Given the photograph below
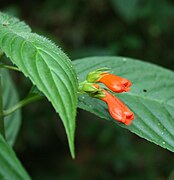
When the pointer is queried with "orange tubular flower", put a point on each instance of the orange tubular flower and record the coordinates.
(115, 83)
(118, 110)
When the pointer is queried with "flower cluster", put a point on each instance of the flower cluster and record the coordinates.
(117, 109)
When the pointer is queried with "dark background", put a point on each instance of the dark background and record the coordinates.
(140, 29)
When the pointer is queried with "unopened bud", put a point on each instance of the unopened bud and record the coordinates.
(94, 76)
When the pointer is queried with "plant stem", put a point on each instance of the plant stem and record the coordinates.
(22, 103)
(9, 67)
(1, 110)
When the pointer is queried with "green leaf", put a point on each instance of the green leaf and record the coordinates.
(13, 23)
(10, 167)
(151, 97)
(10, 98)
(48, 68)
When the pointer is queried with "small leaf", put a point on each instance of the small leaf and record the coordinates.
(151, 97)
(10, 166)
(47, 67)
(10, 98)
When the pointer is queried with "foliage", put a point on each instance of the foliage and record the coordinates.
(10, 165)
(152, 106)
(47, 67)
(10, 97)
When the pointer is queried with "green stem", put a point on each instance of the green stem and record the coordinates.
(22, 103)
(2, 131)
(9, 67)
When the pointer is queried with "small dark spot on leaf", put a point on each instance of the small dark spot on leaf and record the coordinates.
(144, 90)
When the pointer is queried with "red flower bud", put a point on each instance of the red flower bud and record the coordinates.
(118, 110)
(115, 83)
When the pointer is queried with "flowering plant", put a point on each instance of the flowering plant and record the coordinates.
(55, 77)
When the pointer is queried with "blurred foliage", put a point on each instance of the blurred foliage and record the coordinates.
(135, 28)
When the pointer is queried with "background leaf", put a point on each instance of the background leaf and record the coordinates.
(10, 98)
(10, 167)
(128, 9)
(48, 68)
(151, 97)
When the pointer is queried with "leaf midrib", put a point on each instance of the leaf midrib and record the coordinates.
(25, 40)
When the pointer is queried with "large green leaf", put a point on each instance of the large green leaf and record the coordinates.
(151, 97)
(10, 167)
(48, 68)
(10, 98)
